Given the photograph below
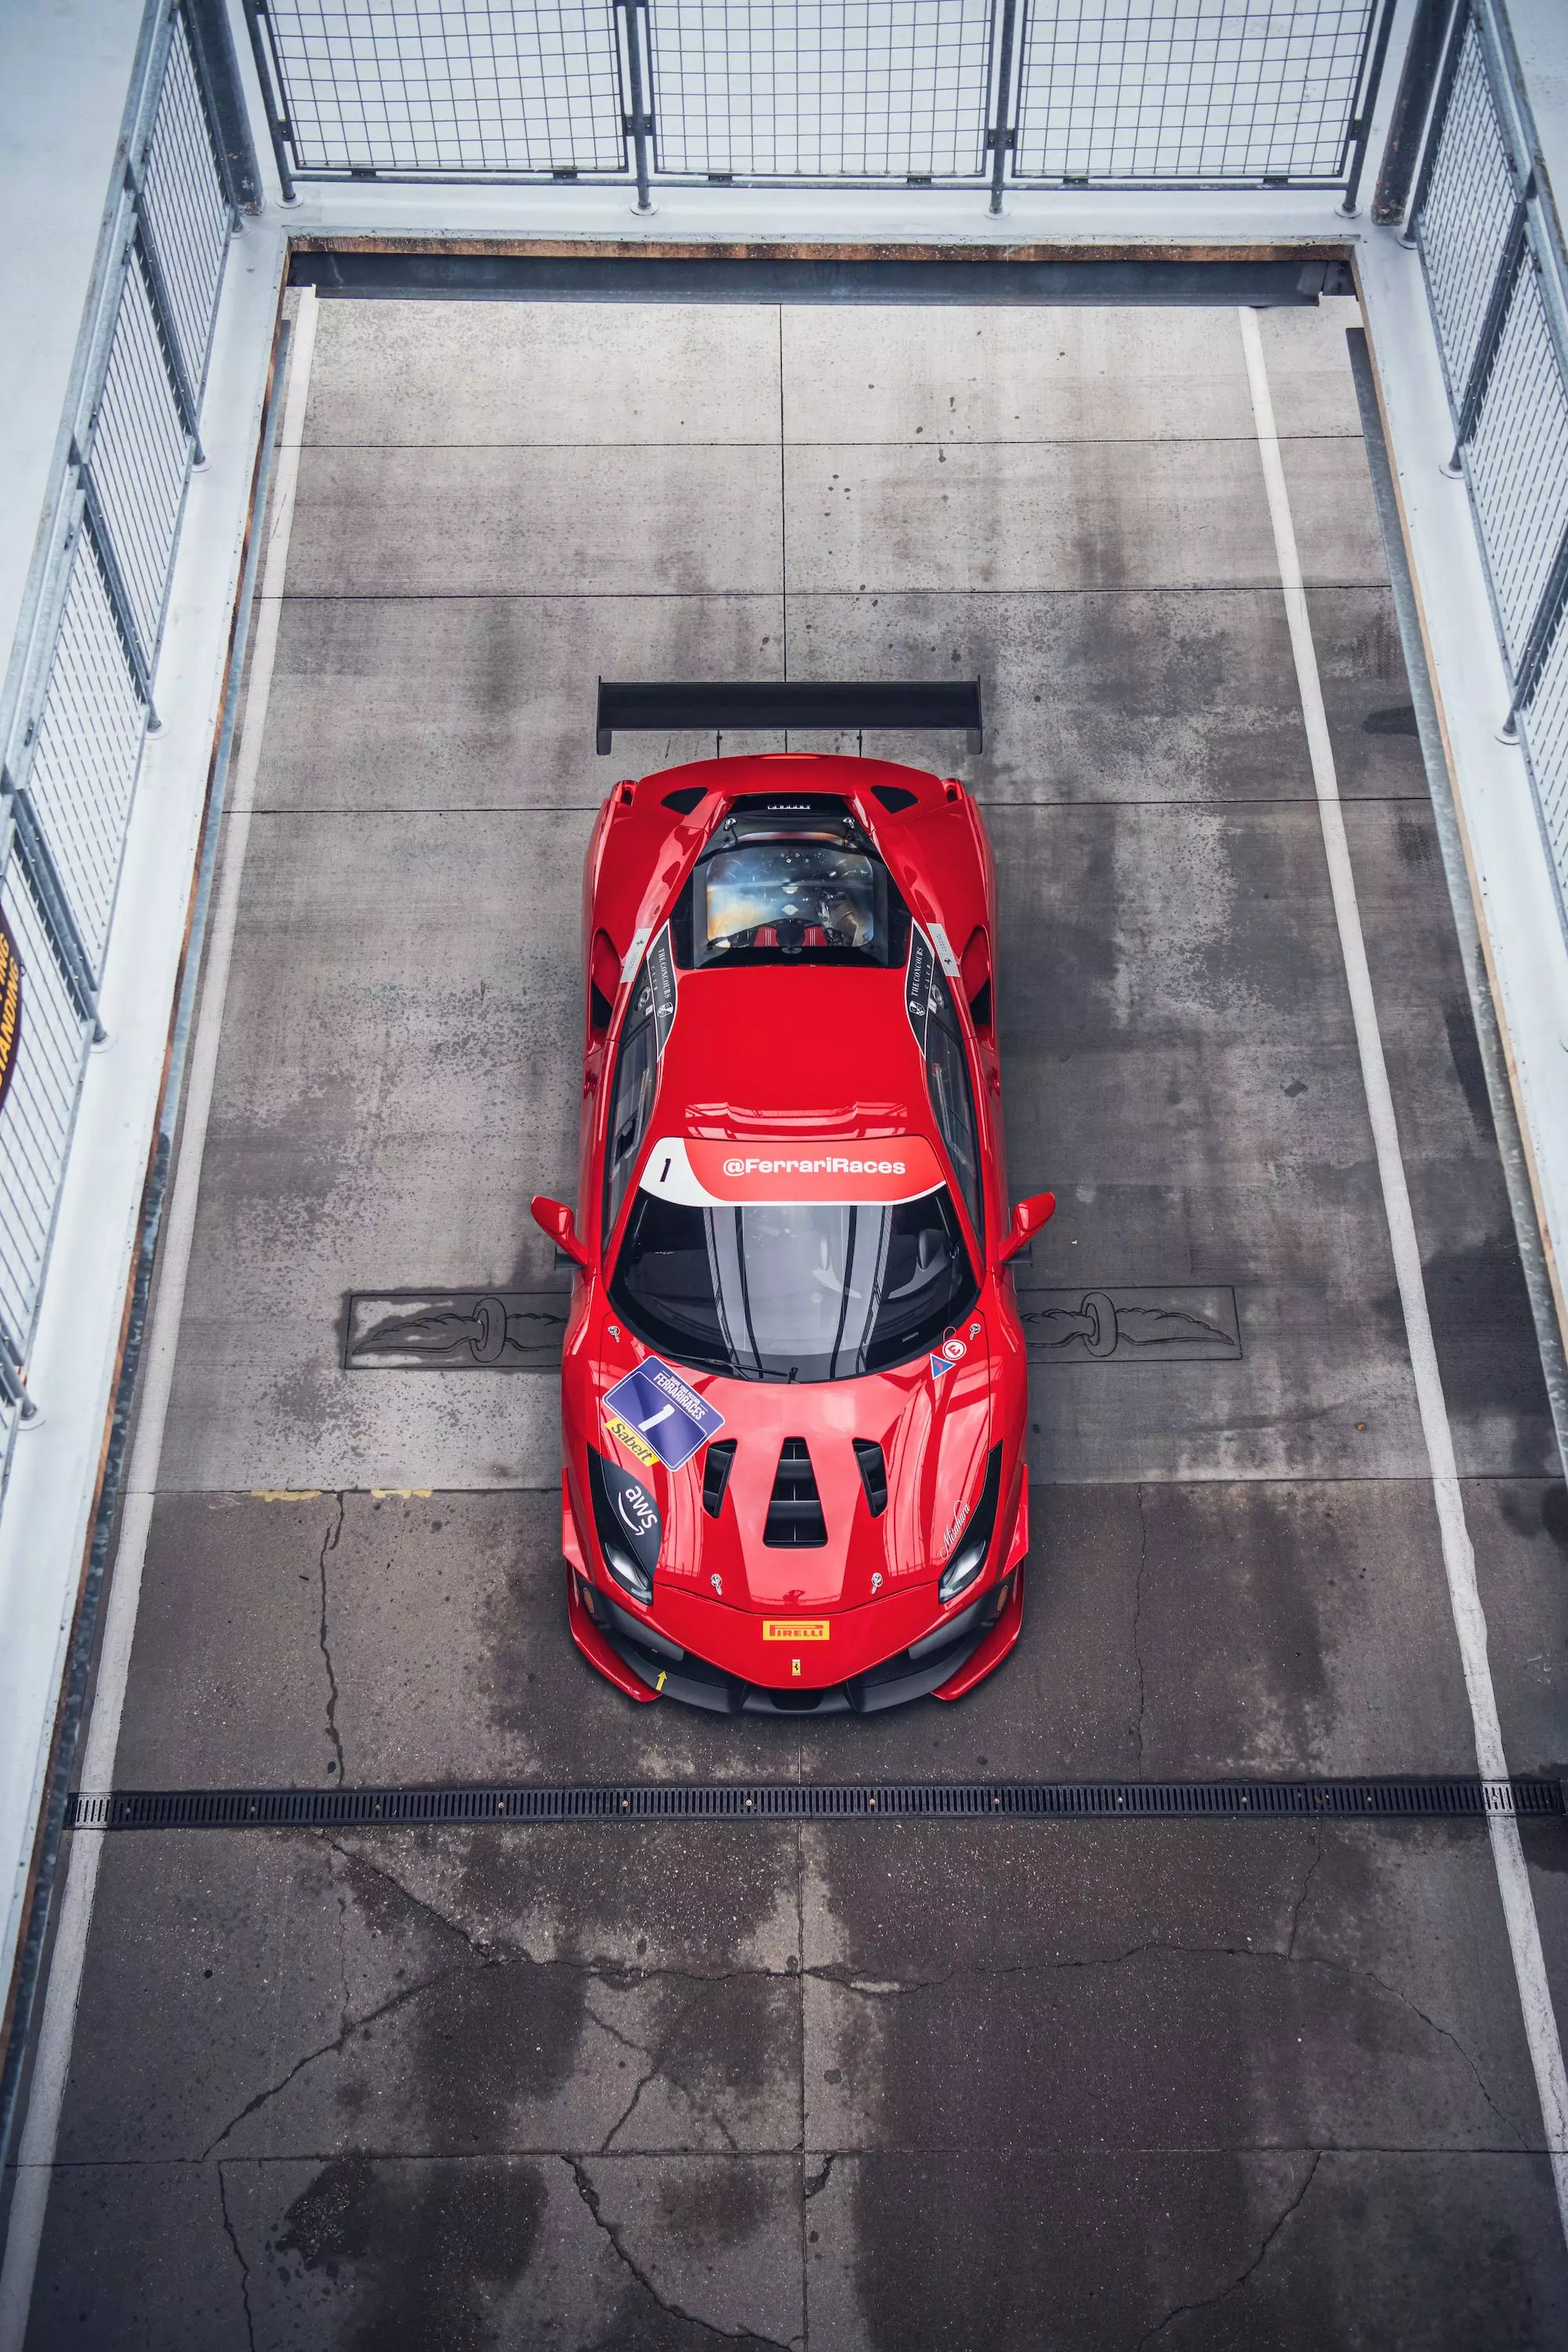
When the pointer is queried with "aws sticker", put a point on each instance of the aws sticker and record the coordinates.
(637, 1513)
(10, 1007)
(636, 1444)
(657, 1403)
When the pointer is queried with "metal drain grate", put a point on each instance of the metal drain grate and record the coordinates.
(944, 1800)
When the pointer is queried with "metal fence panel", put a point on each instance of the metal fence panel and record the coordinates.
(36, 1125)
(1495, 275)
(1518, 458)
(839, 90)
(89, 747)
(1175, 90)
(1545, 724)
(185, 208)
(140, 459)
(1465, 213)
(77, 695)
(449, 89)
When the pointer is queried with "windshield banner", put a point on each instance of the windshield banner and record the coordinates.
(781, 1171)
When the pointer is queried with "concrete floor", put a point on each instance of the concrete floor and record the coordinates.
(834, 2087)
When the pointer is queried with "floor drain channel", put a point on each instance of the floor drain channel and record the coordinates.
(934, 1800)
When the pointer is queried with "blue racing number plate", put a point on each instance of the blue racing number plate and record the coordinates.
(657, 1403)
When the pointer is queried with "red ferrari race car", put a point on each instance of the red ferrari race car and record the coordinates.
(793, 1382)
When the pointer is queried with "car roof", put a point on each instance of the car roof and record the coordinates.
(818, 1049)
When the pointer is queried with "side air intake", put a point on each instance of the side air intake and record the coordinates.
(873, 1474)
(794, 1508)
(717, 1465)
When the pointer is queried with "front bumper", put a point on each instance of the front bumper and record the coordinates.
(971, 1645)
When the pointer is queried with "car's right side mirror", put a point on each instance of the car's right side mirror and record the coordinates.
(1030, 1217)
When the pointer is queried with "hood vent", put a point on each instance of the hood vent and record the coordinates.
(717, 1465)
(873, 1474)
(794, 1507)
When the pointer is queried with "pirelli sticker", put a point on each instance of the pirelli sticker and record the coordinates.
(10, 1007)
(796, 1629)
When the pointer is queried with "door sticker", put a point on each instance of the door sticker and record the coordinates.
(666, 1414)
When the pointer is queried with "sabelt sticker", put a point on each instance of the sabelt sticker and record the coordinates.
(767, 1172)
(635, 1445)
(657, 1405)
(10, 1007)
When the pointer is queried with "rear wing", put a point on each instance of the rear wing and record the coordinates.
(662, 706)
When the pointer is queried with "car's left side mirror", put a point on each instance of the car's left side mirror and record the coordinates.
(555, 1218)
(1030, 1217)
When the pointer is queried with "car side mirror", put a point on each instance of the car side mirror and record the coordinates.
(1030, 1217)
(555, 1218)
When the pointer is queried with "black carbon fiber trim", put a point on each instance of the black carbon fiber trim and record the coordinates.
(944, 1800)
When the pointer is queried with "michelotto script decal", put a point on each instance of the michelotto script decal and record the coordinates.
(768, 1171)
(10, 1007)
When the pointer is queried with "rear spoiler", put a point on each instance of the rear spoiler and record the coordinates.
(662, 706)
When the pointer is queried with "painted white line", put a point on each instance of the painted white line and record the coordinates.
(51, 2063)
(1459, 1560)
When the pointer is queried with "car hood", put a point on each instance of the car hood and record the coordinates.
(931, 1418)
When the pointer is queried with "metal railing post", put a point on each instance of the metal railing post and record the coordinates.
(1002, 138)
(280, 129)
(218, 69)
(1361, 129)
(1402, 148)
(639, 122)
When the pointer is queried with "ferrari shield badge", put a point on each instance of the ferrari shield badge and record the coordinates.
(667, 1415)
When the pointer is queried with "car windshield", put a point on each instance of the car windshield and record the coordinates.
(809, 1291)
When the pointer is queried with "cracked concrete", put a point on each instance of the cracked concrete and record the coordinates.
(1235, 2285)
(329, 1544)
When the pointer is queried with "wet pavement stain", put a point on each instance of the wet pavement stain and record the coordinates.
(427, 2248)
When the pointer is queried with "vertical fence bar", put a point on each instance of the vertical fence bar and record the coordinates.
(1002, 138)
(640, 121)
(1361, 129)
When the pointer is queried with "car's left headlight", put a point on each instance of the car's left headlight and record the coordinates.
(627, 1521)
(967, 1562)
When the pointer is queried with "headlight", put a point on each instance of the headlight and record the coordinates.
(626, 1520)
(969, 1559)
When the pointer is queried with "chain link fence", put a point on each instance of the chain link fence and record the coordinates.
(1152, 93)
(1497, 278)
(78, 698)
